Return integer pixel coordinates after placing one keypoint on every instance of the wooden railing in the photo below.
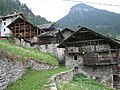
(100, 60)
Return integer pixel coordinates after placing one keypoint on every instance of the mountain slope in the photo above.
(102, 21)
(11, 6)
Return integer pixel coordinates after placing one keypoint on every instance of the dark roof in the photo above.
(66, 29)
(11, 15)
(62, 45)
(45, 26)
(48, 33)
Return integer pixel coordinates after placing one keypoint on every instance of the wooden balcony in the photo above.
(100, 61)
(74, 50)
(100, 49)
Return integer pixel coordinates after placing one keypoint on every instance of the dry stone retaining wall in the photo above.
(12, 70)
(61, 77)
(37, 65)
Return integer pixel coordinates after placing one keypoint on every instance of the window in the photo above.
(94, 68)
(4, 23)
(46, 46)
(75, 57)
(71, 49)
(4, 30)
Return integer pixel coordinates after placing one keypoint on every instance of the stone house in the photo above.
(95, 54)
(5, 21)
(49, 41)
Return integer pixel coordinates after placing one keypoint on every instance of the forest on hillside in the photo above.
(11, 6)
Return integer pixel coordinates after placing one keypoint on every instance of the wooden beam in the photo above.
(19, 30)
(30, 33)
(24, 29)
(85, 41)
(15, 30)
(37, 31)
(83, 31)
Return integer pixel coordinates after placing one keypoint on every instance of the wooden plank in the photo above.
(19, 29)
(86, 41)
(30, 34)
(24, 30)
(15, 30)
(37, 31)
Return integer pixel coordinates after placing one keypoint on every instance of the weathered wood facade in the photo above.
(66, 32)
(47, 27)
(94, 53)
(23, 29)
(50, 37)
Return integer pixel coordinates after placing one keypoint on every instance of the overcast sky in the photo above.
(53, 10)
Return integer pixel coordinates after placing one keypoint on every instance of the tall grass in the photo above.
(26, 53)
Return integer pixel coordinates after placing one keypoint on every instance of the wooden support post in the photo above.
(30, 33)
(19, 30)
(98, 45)
(34, 31)
(37, 31)
(15, 30)
(24, 29)
(94, 46)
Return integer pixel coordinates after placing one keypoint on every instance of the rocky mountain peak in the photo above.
(81, 8)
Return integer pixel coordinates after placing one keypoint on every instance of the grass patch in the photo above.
(34, 80)
(80, 82)
(26, 53)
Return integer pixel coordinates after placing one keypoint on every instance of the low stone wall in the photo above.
(61, 77)
(37, 65)
(10, 71)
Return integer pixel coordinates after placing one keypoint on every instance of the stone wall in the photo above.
(102, 73)
(70, 62)
(37, 65)
(52, 49)
(61, 77)
(10, 71)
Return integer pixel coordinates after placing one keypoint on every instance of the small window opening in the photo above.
(71, 49)
(4, 30)
(75, 57)
(46, 46)
(4, 23)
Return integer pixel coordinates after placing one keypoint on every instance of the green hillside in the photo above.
(11, 6)
(15, 52)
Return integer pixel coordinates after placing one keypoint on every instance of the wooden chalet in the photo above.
(94, 53)
(50, 37)
(23, 29)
